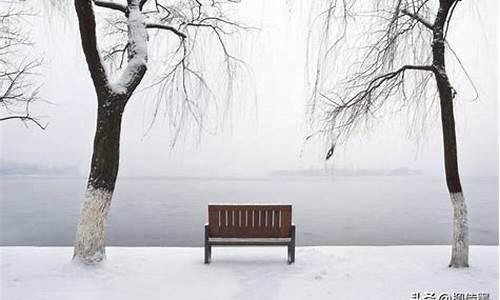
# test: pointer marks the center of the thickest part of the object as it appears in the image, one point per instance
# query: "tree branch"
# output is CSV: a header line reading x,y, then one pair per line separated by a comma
x,y
111,5
24,119
418,67
86,21
141,4
18,88
182,35
379,80
418,18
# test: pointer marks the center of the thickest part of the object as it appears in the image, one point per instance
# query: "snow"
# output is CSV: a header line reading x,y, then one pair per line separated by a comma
x,y
90,232
460,230
389,272
137,49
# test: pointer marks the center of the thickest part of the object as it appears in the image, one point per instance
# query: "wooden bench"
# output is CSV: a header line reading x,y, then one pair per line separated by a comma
x,y
250,225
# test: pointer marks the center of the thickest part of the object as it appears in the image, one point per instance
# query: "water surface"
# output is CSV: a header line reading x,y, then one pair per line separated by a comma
x,y
328,211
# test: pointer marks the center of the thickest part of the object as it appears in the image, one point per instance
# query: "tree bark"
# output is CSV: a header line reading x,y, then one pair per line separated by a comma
x,y
460,244
90,239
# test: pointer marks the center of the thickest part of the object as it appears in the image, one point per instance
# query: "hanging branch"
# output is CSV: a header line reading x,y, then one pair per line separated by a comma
x,y
189,30
18,87
397,41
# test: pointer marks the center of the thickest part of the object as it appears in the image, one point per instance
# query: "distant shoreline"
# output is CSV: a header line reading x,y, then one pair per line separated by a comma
x,y
348,172
236,178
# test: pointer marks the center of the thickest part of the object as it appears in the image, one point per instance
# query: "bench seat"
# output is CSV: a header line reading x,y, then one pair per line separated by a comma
x,y
250,241
250,225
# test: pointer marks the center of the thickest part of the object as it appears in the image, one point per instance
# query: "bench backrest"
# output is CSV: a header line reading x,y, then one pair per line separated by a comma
x,y
250,220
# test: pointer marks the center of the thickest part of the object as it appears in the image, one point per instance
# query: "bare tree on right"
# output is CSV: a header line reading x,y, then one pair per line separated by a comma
x,y
403,45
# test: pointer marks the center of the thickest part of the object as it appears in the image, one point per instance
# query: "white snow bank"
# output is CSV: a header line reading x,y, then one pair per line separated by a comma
x,y
246,273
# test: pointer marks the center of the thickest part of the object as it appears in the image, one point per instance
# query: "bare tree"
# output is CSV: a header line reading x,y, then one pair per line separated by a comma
x,y
18,88
393,54
181,82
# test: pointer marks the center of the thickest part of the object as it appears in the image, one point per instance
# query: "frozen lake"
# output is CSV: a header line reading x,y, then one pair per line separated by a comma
x,y
328,211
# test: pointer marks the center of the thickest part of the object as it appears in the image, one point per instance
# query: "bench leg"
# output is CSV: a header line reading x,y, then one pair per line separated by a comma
x,y
208,247
291,247
208,253
291,254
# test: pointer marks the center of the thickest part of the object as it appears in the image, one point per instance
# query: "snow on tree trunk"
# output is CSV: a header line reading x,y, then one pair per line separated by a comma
x,y
460,247
90,240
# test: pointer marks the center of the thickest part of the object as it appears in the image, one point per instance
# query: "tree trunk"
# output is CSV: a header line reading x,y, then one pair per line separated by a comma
x,y
90,239
460,245
112,98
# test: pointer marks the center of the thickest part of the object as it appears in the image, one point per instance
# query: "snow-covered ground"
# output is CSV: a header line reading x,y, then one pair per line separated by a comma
x,y
247,273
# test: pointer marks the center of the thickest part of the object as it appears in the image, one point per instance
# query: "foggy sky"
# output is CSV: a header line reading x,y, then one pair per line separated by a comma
x,y
269,133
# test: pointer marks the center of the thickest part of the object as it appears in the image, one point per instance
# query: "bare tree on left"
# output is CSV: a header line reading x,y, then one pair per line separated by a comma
x,y
18,87
177,27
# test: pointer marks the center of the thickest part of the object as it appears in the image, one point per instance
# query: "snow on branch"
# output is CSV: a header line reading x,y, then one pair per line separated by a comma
x,y
137,51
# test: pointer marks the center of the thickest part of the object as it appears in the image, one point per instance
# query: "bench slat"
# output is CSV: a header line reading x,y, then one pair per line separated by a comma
x,y
249,221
